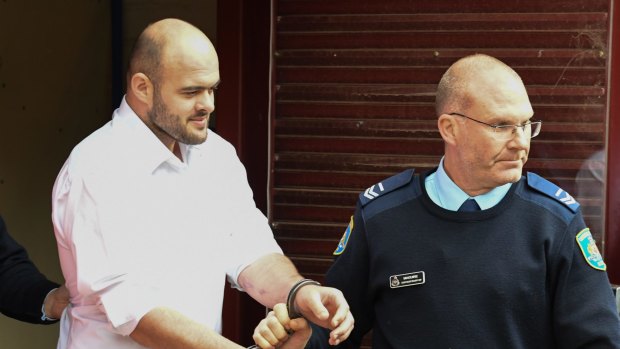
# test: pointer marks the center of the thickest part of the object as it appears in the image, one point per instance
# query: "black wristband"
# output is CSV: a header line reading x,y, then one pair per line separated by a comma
x,y
290,300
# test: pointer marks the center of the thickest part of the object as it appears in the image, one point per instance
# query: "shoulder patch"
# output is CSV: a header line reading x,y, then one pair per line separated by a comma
x,y
542,185
589,250
345,238
386,186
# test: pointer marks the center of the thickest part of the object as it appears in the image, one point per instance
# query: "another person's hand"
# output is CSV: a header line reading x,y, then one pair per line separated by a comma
x,y
326,307
56,301
277,330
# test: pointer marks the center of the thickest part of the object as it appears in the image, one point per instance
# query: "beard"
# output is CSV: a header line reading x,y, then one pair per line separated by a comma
x,y
172,125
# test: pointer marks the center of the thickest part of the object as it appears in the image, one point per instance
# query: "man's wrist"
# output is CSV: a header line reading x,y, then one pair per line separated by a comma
x,y
290,300
44,316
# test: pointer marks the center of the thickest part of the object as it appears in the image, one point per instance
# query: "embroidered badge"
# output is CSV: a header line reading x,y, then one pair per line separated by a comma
x,y
345,238
409,279
589,250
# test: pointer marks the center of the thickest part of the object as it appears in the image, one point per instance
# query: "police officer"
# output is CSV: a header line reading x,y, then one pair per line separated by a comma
x,y
474,254
25,293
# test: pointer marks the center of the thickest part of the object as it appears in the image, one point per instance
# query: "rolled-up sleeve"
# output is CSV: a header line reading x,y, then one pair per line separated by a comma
x,y
249,229
100,285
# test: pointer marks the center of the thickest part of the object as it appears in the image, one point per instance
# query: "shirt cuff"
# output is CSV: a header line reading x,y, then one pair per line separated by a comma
x,y
125,304
44,316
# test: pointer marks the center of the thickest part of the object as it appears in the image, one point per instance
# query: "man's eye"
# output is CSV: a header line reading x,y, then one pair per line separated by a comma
x,y
503,124
504,128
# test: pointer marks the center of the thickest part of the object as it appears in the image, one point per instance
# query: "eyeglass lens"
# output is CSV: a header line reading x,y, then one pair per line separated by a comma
x,y
530,130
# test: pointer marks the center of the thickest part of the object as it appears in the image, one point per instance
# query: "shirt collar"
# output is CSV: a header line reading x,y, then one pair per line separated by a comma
x,y
451,197
150,152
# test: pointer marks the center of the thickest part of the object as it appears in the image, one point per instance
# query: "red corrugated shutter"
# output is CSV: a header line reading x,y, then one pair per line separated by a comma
x,y
355,84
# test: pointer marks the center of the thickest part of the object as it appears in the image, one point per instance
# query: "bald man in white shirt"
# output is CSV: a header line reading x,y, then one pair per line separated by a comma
x,y
153,211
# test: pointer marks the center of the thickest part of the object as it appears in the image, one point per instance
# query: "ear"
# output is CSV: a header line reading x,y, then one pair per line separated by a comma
x,y
142,88
448,128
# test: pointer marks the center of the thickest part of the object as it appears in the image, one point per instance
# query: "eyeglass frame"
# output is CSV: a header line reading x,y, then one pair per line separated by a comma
x,y
514,127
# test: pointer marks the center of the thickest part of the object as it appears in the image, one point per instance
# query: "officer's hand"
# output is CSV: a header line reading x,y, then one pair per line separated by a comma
x,y
326,307
56,301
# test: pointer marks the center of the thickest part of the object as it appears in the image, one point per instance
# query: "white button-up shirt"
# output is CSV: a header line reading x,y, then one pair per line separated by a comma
x,y
138,228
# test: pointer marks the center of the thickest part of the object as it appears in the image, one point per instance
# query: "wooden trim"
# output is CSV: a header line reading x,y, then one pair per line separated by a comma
x,y
242,107
228,123
229,94
118,78
612,239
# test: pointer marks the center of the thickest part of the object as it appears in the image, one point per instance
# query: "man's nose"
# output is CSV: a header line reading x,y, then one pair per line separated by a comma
x,y
206,102
520,138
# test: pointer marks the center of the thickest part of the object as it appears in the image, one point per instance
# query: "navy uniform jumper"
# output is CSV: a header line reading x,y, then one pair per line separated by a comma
x,y
22,287
512,276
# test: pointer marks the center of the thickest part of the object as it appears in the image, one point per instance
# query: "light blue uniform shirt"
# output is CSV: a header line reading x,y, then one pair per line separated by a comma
x,y
445,193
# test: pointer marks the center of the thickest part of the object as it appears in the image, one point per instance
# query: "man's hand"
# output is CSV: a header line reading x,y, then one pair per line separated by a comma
x,y
326,307
269,280
277,330
56,301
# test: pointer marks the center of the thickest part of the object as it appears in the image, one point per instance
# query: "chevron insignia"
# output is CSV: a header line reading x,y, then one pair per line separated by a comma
x,y
564,197
370,192
553,191
385,186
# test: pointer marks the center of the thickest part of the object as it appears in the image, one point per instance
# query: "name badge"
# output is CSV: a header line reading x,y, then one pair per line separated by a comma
x,y
409,279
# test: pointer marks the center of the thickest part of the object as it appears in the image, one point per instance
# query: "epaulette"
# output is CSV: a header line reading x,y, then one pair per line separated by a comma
x,y
542,185
386,186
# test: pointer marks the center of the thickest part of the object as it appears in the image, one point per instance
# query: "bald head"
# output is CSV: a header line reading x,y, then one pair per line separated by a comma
x,y
470,77
171,80
162,43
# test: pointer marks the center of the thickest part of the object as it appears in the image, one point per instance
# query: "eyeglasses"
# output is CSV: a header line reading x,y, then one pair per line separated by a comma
x,y
506,132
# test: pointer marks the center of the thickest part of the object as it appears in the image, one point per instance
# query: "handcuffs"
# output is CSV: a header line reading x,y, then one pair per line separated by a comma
x,y
290,301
